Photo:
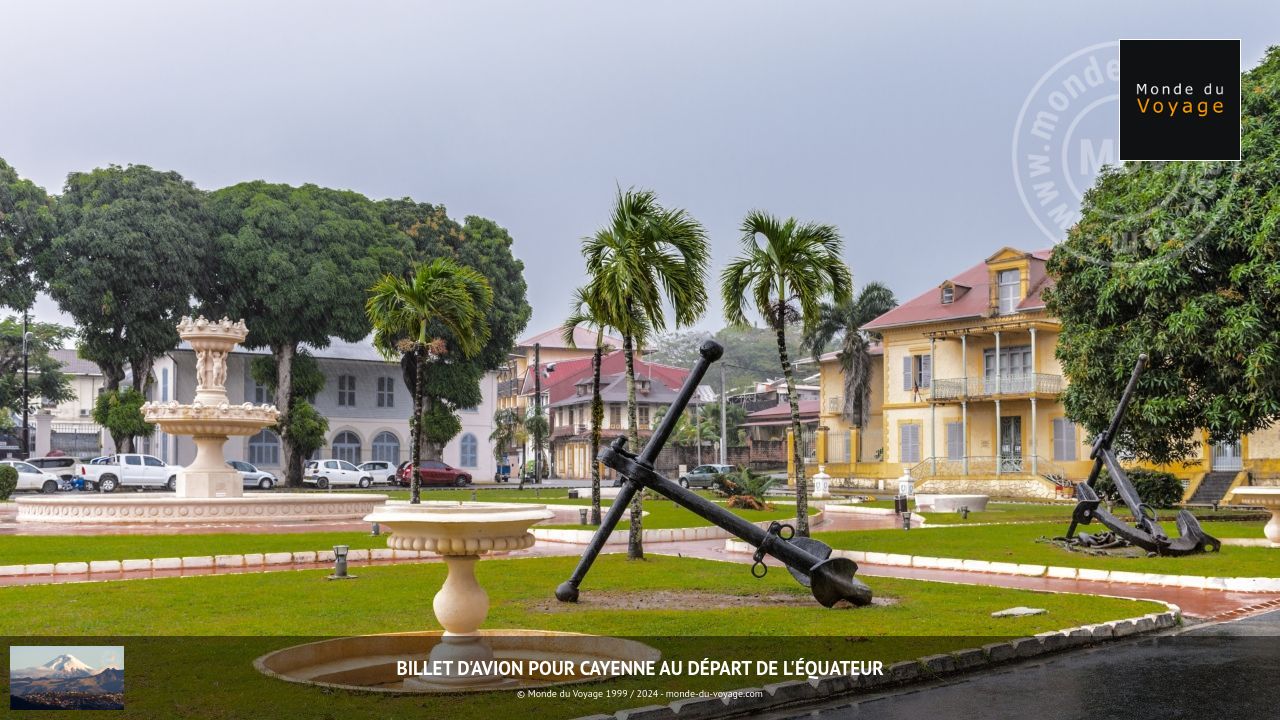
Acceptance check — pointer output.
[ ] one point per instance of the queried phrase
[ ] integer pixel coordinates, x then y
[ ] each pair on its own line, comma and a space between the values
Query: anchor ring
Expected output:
764, 570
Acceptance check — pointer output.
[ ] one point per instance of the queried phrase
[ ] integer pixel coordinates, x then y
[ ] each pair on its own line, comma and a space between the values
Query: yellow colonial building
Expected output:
965, 398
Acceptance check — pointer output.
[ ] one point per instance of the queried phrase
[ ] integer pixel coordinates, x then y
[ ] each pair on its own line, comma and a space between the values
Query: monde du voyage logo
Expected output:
1179, 100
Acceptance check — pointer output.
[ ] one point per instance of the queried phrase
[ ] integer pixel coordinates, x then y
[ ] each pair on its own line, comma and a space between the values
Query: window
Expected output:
1064, 439
948, 294
909, 443
917, 371
344, 465
386, 392
164, 384
264, 448
467, 457
955, 441
152, 461
386, 447
1009, 290
615, 416
260, 394
642, 416
346, 446
132, 460
347, 390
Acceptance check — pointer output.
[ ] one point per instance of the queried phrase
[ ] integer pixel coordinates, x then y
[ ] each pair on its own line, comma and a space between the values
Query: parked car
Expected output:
132, 470
252, 476
703, 476
31, 477
434, 472
381, 470
64, 466
324, 473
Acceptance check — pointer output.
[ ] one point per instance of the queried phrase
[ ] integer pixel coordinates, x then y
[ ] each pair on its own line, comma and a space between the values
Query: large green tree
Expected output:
404, 311
131, 245
26, 224
307, 427
45, 378
785, 271
843, 321
646, 258
1181, 261
295, 264
485, 247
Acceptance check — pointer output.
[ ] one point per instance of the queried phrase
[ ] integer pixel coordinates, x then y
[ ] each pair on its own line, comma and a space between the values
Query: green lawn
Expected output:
663, 514
1018, 543
30, 549
171, 676
1009, 512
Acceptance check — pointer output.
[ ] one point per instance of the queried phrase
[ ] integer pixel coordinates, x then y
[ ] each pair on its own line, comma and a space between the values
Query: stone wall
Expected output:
1011, 487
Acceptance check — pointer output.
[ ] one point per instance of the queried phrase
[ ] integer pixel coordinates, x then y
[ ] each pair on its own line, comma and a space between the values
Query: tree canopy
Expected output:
131, 245
26, 224
44, 373
1180, 261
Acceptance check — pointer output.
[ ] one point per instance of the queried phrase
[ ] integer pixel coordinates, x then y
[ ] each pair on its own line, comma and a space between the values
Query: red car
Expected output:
434, 472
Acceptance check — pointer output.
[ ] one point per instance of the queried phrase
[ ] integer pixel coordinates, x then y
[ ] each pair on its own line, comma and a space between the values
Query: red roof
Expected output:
972, 297
559, 383
781, 413
583, 338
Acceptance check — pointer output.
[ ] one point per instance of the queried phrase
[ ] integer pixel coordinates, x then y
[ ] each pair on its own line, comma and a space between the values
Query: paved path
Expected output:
1213, 671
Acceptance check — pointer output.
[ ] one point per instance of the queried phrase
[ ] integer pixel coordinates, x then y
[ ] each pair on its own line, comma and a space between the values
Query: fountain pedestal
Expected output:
1266, 497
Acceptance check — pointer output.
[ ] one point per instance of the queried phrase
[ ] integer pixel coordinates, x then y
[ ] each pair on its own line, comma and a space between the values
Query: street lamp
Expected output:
340, 563
27, 337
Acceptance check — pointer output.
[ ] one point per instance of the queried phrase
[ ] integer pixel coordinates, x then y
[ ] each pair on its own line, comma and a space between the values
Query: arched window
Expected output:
468, 451
264, 448
386, 446
346, 446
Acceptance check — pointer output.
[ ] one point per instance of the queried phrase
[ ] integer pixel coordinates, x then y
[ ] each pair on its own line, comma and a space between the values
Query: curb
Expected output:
1232, 584
753, 701
204, 562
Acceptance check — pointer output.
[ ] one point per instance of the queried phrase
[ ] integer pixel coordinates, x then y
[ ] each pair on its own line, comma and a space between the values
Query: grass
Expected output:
1011, 512
1018, 543
31, 549
664, 514
173, 675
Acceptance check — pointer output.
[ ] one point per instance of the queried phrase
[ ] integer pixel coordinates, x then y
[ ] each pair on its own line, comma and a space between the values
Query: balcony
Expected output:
989, 388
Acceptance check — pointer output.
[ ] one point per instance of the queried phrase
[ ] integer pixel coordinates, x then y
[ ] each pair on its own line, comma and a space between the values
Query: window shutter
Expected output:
906, 372
926, 371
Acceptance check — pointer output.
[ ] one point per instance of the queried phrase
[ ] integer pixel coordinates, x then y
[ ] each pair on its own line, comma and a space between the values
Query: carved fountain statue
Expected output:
208, 490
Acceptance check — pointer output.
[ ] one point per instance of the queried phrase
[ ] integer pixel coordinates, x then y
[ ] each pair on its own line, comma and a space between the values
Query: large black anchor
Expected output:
1145, 532
830, 579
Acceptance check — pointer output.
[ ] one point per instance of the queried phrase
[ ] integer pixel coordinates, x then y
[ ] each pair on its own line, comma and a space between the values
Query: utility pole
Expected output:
724, 433
697, 428
537, 409
26, 390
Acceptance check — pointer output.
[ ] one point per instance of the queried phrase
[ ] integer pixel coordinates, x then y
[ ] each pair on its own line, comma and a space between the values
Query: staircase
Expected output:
1213, 487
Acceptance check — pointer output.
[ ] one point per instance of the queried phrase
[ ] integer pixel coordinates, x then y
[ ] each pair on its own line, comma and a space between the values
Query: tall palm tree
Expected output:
586, 311
786, 269
845, 320
406, 312
646, 258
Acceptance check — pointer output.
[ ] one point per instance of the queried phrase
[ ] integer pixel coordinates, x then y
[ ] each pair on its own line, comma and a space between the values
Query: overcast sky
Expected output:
892, 120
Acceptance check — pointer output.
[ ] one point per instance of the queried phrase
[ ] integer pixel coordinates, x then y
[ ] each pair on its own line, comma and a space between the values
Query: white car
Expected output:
252, 476
325, 473
381, 470
31, 477
130, 470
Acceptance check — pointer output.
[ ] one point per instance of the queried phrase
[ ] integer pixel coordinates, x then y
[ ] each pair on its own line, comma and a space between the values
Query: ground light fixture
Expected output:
906, 520
964, 512
582, 514
340, 563
375, 531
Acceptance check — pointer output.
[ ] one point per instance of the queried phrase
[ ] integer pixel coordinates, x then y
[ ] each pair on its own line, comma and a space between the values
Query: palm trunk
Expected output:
597, 417
415, 426
802, 491
635, 544
284, 402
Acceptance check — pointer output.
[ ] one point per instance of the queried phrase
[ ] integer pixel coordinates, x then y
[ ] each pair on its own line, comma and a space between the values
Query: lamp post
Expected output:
26, 389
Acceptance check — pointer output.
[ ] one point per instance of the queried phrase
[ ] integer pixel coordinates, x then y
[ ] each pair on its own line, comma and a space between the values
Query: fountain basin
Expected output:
169, 509
368, 663
1266, 497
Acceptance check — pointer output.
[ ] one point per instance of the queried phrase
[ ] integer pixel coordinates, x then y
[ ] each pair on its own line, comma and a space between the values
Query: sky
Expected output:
95, 656
893, 121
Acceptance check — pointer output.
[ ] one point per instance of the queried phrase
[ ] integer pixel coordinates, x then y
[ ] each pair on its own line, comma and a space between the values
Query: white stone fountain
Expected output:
208, 490
1266, 497
460, 532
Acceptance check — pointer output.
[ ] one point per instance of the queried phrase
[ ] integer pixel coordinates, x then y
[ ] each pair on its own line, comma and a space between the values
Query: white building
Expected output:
364, 399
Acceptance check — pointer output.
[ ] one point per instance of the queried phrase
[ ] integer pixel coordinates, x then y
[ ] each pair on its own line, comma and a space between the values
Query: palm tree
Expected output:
844, 320
504, 433
586, 311
786, 277
646, 258
408, 312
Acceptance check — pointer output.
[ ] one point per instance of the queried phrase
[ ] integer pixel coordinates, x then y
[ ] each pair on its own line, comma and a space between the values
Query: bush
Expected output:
745, 490
8, 481
1156, 488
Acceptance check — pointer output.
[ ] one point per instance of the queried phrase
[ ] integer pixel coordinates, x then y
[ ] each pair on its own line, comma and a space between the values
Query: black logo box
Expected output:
1161, 77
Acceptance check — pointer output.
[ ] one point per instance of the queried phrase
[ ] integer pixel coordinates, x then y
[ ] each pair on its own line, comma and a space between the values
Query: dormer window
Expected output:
948, 294
1009, 290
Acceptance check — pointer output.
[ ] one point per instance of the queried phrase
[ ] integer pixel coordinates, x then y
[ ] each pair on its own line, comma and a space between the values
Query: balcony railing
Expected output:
1006, 385
986, 466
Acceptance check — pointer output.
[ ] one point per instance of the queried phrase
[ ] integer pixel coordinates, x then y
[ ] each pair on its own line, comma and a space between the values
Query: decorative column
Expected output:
1035, 386
791, 458
933, 407
821, 442
964, 400
999, 439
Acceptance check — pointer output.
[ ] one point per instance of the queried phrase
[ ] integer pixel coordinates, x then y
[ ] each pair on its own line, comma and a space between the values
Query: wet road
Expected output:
1212, 672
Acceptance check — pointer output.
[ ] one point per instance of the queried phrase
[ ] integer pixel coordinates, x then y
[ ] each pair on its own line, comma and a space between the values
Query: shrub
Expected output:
8, 481
1156, 488
744, 490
